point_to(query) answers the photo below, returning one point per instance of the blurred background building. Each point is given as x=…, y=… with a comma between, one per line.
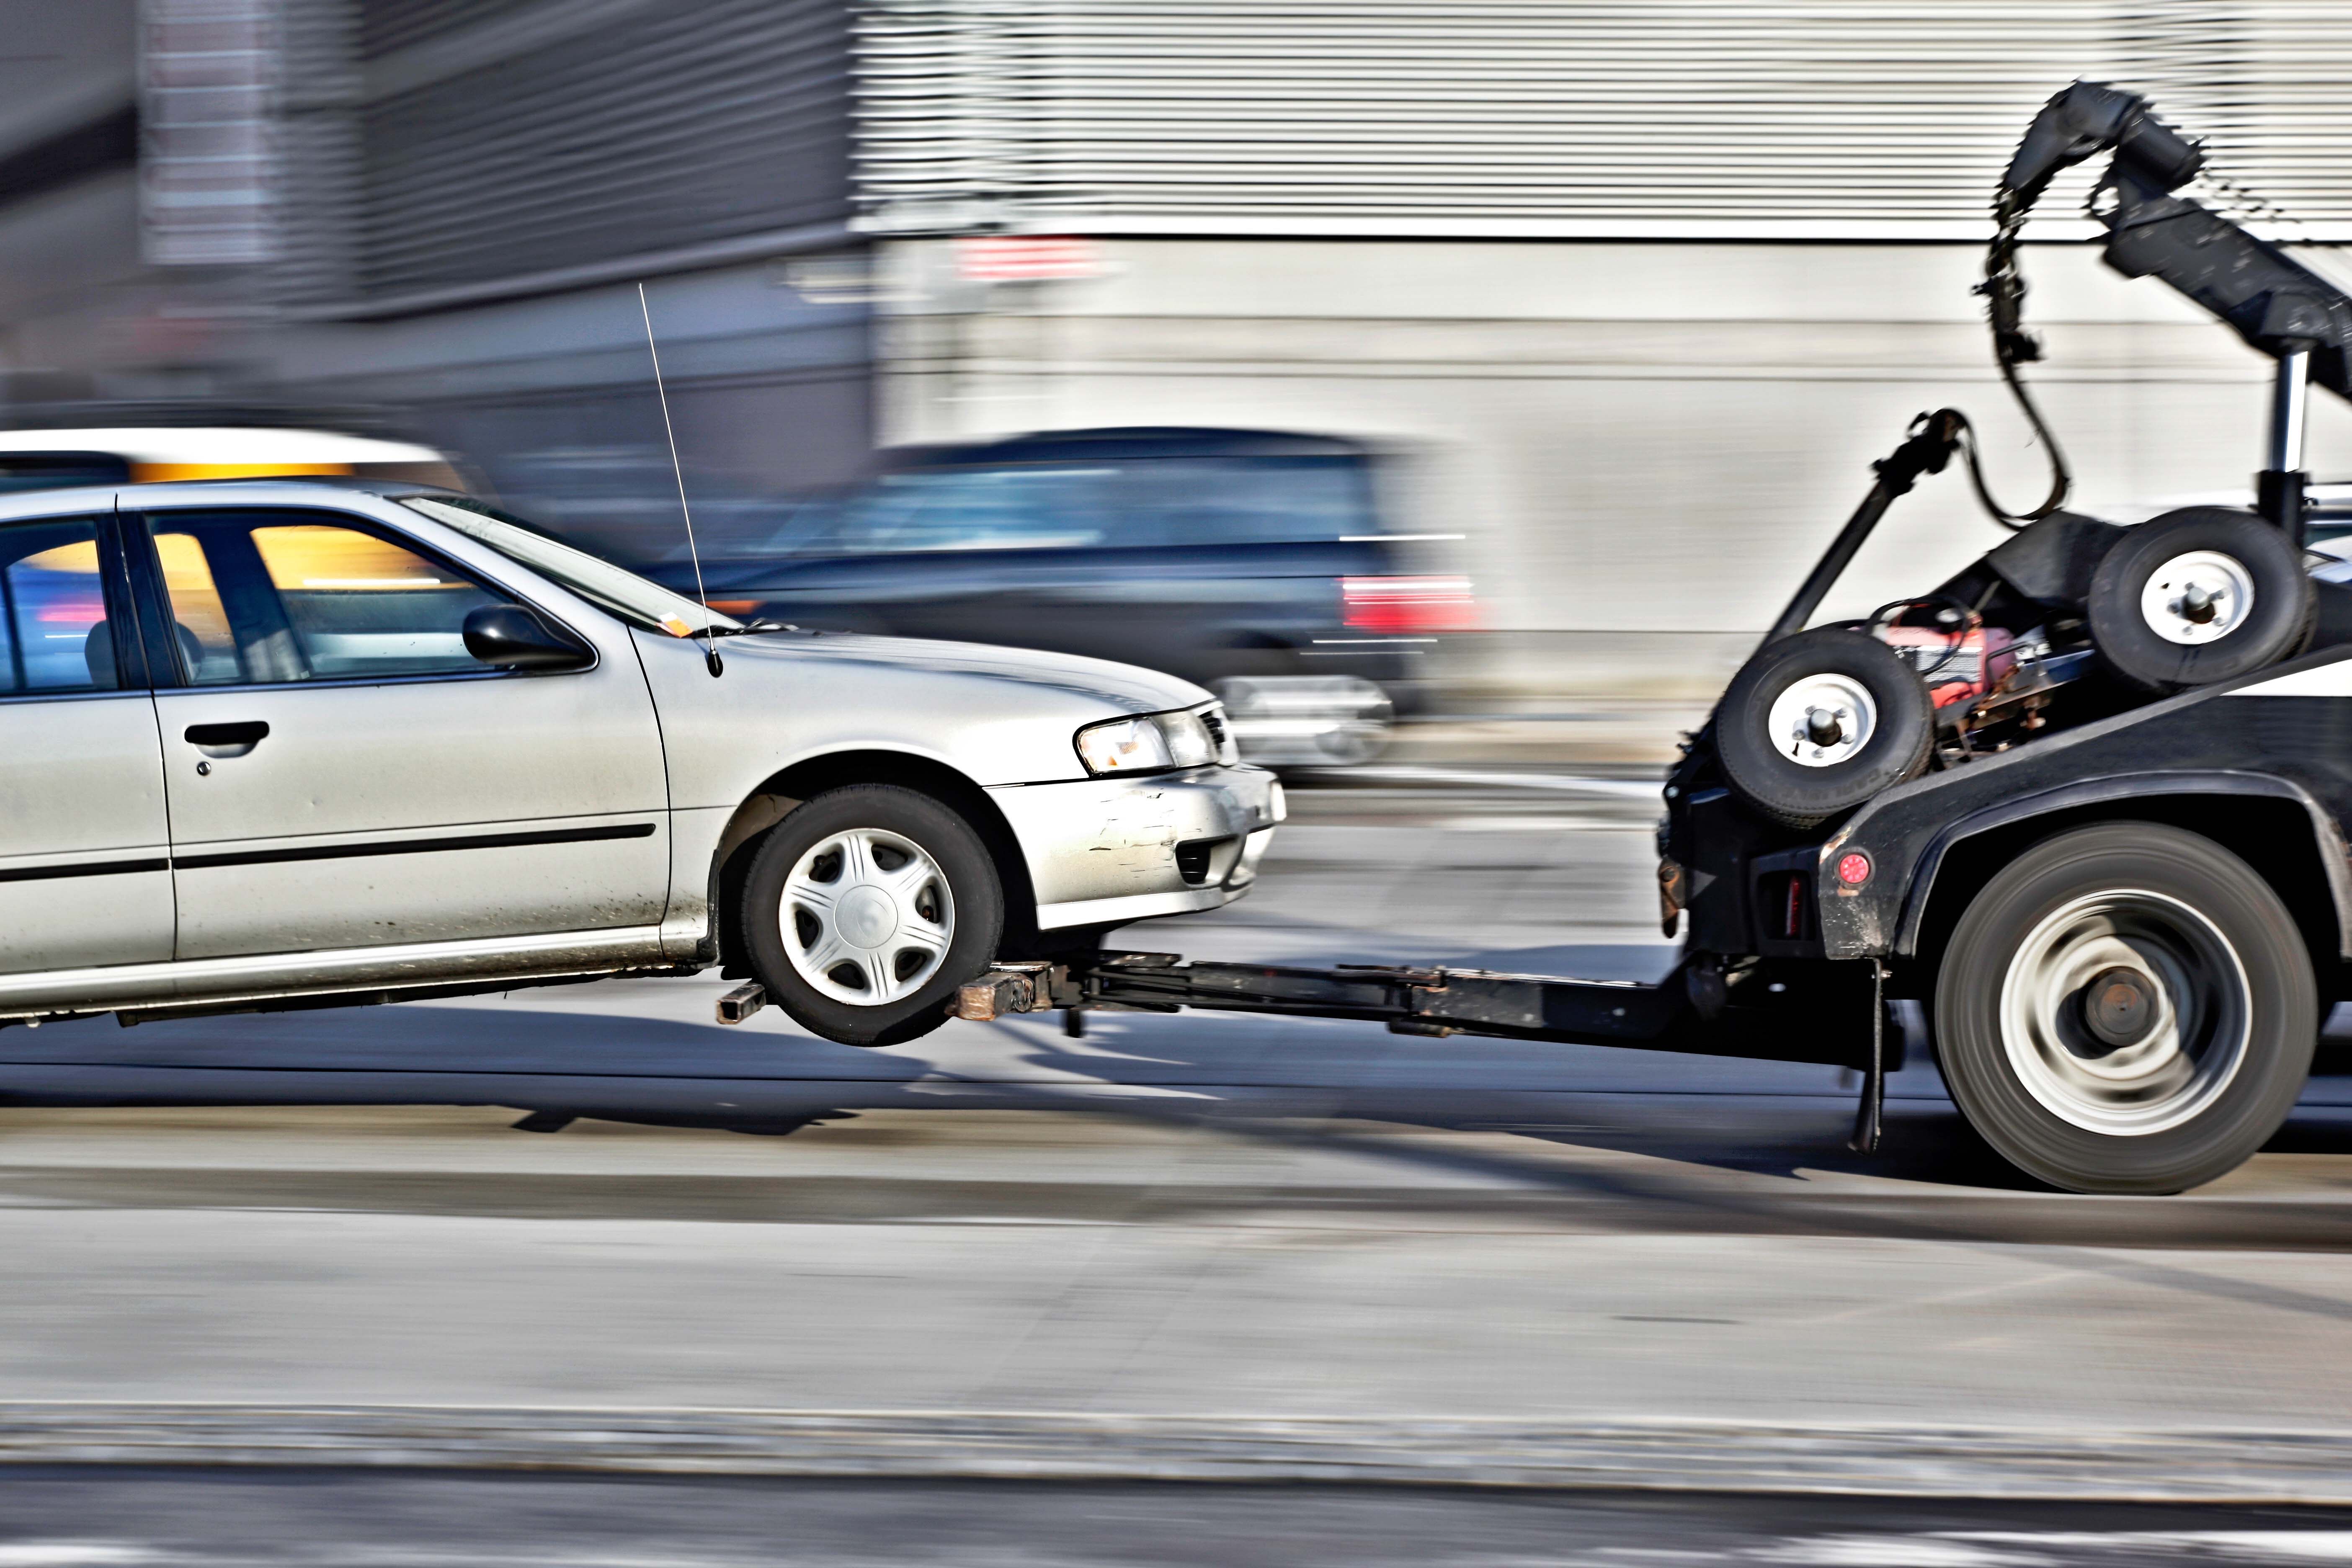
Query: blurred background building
x=1634, y=288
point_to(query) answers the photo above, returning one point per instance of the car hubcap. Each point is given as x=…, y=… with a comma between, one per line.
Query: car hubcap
x=866, y=917
x=2197, y=598
x=1822, y=720
x=2126, y=1013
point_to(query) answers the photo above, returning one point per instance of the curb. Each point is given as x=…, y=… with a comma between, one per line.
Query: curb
x=2072, y=1466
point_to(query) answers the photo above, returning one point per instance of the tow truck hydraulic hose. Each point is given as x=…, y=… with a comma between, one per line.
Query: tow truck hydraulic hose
x=1933, y=437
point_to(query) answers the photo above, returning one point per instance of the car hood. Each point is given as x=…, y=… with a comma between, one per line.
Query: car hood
x=998, y=716
x=1129, y=688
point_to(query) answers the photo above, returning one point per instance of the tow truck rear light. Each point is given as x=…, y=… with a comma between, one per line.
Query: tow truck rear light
x=1793, y=909
x=1853, y=868
x=1409, y=606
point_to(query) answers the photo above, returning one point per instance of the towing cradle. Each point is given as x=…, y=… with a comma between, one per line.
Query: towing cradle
x=1831, y=1014
x=1691, y=1011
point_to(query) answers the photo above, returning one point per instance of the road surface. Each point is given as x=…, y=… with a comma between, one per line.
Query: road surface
x=1185, y=1246
x=227, y=1519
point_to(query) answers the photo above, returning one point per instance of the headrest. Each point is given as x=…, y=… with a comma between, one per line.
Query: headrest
x=98, y=652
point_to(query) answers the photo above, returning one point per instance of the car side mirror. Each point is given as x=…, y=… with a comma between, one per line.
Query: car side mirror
x=511, y=638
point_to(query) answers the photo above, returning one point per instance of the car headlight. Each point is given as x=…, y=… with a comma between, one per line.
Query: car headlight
x=1153, y=743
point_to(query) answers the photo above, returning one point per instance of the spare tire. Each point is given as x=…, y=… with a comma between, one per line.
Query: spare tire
x=1818, y=722
x=2198, y=596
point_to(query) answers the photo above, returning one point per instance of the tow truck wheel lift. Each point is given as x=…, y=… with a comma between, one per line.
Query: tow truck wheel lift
x=2122, y=891
x=1691, y=1011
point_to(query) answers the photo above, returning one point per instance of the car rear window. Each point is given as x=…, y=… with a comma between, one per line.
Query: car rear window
x=53, y=622
x=1135, y=503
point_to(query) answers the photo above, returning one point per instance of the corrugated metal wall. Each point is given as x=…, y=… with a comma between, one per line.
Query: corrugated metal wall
x=387, y=26
x=208, y=165
x=492, y=141
x=1698, y=119
x=477, y=140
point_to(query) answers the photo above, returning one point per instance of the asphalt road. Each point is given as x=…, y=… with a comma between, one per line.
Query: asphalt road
x=220, y=1518
x=1193, y=1219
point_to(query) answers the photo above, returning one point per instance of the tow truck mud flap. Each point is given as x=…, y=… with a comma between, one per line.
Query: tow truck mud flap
x=1812, y=1011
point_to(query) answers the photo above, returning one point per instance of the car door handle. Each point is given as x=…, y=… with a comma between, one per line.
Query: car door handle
x=228, y=740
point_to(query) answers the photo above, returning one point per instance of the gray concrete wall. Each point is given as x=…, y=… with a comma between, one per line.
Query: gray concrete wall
x=1645, y=444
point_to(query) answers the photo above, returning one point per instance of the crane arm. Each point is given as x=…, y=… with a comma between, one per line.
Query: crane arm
x=2273, y=302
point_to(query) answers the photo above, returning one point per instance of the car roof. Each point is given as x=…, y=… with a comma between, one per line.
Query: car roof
x=1126, y=441
x=217, y=444
x=323, y=490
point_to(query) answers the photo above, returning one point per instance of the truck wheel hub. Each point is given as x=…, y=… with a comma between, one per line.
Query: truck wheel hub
x=1821, y=720
x=2125, y=1012
x=2197, y=598
x=2119, y=1006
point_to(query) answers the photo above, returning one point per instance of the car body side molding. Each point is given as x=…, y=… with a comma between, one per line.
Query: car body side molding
x=415, y=846
x=83, y=869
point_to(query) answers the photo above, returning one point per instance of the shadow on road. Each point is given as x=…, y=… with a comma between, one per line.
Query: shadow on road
x=1482, y=1131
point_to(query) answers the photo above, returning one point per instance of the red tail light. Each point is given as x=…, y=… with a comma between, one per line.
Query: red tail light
x=1793, y=909
x=1409, y=606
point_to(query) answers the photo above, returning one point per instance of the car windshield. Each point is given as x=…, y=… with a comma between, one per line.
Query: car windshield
x=602, y=583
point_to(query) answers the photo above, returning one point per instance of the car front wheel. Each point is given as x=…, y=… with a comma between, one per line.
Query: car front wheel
x=2125, y=1008
x=866, y=908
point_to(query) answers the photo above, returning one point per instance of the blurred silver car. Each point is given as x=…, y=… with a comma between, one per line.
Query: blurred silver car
x=289, y=743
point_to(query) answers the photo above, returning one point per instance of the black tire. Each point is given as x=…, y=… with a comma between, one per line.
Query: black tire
x=2132, y=637
x=2185, y=1103
x=964, y=927
x=1767, y=770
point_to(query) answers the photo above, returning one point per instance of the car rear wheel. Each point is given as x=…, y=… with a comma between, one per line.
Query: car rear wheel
x=2125, y=1008
x=866, y=908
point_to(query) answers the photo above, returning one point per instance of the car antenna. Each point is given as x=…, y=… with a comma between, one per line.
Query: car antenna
x=709, y=643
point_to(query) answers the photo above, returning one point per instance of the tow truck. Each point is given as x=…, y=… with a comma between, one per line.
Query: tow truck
x=2086, y=801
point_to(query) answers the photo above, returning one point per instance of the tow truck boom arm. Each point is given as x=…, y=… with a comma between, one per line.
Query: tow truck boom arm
x=2273, y=302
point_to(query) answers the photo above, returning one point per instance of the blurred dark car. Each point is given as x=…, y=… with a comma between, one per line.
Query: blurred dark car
x=1254, y=563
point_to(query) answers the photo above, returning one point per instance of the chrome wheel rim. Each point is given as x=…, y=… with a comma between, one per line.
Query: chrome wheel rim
x=1822, y=720
x=866, y=917
x=2197, y=598
x=2175, y=1052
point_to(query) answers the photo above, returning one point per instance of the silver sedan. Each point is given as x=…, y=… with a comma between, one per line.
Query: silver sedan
x=279, y=742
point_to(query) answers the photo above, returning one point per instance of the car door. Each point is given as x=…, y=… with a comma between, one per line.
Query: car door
x=84, y=875
x=341, y=773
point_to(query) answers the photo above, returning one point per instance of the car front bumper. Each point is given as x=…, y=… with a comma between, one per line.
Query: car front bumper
x=1106, y=851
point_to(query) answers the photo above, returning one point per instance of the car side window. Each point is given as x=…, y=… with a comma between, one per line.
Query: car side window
x=53, y=614
x=1033, y=507
x=1250, y=500
x=263, y=596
